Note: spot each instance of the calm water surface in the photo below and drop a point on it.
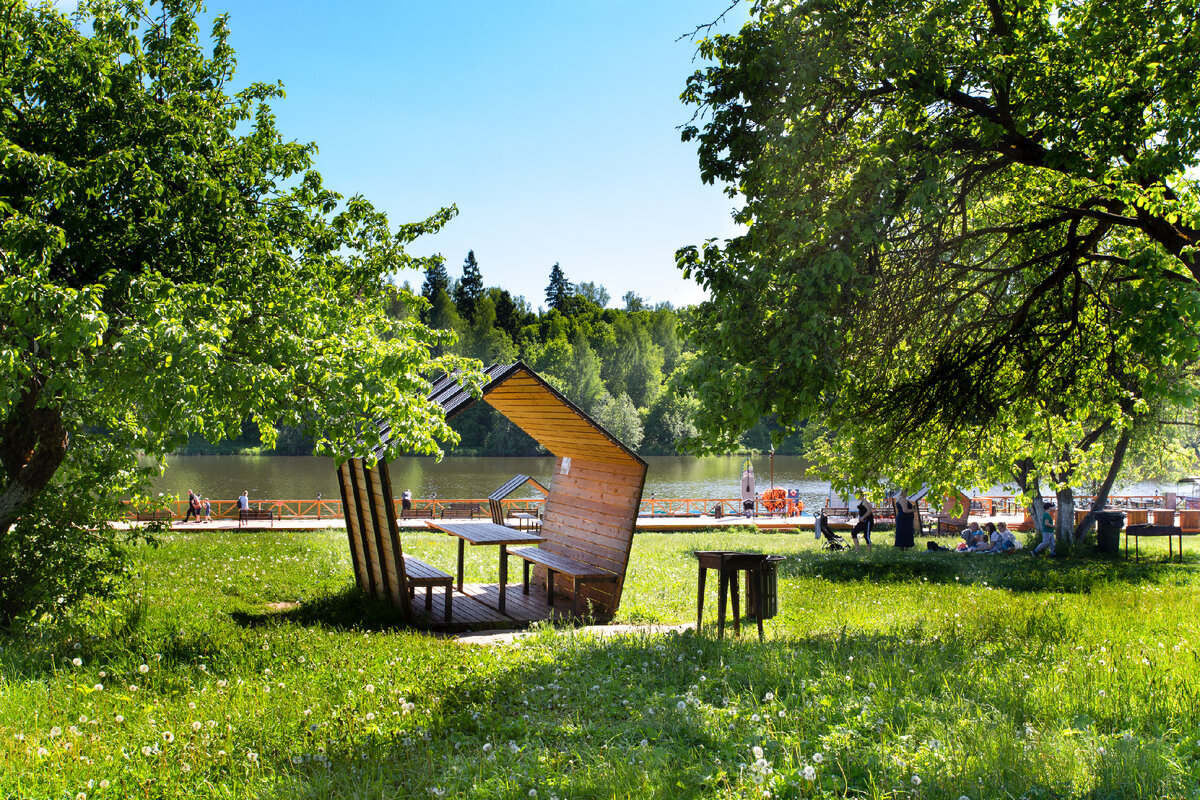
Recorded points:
(303, 477)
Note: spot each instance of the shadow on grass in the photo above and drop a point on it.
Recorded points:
(348, 609)
(1019, 572)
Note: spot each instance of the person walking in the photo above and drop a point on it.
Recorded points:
(207, 510)
(1044, 521)
(193, 507)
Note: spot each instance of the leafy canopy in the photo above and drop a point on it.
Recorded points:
(961, 216)
(170, 264)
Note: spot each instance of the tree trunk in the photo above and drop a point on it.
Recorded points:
(33, 445)
(1064, 523)
(1101, 498)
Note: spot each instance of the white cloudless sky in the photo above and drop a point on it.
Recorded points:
(551, 124)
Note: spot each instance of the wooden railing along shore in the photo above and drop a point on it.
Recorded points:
(322, 508)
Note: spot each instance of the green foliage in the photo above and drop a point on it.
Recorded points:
(969, 252)
(170, 265)
(468, 290)
(437, 280)
(559, 290)
(619, 416)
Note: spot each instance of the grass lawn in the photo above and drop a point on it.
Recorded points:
(885, 675)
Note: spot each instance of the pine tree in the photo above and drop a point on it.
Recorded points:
(436, 279)
(469, 288)
(559, 290)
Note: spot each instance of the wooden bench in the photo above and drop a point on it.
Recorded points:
(1138, 531)
(255, 515)
(161, 515)
(460, 511)
(416, 513)
(580, 573)
(422, 575)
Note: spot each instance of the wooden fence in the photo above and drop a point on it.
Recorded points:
(653, 507)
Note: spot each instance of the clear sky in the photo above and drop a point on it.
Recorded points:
(551, 124)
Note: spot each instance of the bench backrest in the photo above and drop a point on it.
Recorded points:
(590, 515)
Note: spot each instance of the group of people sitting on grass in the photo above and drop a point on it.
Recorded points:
(991, 538)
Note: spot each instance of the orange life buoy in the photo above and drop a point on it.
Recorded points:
(774, 499)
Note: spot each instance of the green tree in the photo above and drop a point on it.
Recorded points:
(619, 416)
(559, 290)
(169, 265)
(959, 216)
(436, 279)
(593, 292)
(469, 288)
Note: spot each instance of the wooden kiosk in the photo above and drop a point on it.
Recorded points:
(586, 532)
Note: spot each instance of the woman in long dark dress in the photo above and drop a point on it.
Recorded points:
(906, 513)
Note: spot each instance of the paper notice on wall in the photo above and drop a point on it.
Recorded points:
(565, 469)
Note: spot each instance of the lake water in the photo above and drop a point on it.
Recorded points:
(303, 477)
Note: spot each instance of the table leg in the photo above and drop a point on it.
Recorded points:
(700, 598)
(722, 593)
(462, 544)
(449, 603)
(737, 611)
(503, 576)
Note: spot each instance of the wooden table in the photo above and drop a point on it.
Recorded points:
(485, 533)
(728, 564)
(1138, 531)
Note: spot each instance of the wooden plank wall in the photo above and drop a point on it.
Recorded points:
(373, 533)
(590, 516)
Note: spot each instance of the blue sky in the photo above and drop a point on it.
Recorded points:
(552, 124)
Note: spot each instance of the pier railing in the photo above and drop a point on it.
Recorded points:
(322, 508)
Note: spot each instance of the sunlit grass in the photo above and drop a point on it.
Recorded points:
(242, 666)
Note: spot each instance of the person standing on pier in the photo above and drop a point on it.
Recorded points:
(244, 501)
(406, 500)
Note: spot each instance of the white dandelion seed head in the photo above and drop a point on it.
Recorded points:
(818, 758)
(144, 668)
(810, 774)
(77, 661)
(916, 780)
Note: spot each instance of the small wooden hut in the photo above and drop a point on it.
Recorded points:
(590, 513)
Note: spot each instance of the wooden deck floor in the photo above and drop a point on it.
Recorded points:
(474, 608)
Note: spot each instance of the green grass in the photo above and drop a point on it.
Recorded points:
(886, 675)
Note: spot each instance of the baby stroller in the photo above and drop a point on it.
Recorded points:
(832, 540)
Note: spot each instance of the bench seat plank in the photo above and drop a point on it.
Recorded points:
(420, 574)
(579, 572)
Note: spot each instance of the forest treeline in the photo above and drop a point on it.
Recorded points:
(620, 365)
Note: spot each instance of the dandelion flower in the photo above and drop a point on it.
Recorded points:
(144, 668)
(252, 756)
(119, 718)
(768, 697)
(681, 705)
(168, 737)
(99, 687)
(810, 774)
(197, 725)
(42, 752)
(370, 688)
(55, 731)
(916, 780)
(77, 661)
(818, 758)
(1127, 736)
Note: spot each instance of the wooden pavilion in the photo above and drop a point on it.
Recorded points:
(586, 529)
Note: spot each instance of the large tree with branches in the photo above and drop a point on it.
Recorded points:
(169, 264)
(955, 208)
